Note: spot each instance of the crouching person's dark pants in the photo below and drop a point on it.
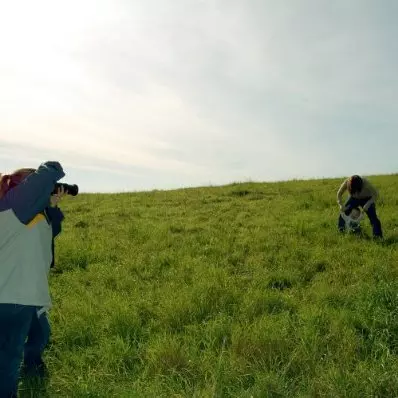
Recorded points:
(371, 213)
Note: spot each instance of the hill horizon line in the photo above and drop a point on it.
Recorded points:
(232, 183)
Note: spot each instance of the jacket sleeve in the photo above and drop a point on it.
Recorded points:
(32, 195)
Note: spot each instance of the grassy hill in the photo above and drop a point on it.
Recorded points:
(245, 290)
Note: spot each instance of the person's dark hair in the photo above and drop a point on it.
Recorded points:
(355, 184)
(9, 181)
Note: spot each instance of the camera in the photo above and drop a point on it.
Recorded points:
(72, 190)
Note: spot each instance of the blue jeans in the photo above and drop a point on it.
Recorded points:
(371, 213)
(22, 334)
(38, 337)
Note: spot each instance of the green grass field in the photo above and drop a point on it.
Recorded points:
(245, 290)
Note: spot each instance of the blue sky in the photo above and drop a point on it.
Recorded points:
(133, 95)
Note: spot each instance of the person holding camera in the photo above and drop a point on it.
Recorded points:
(362, 194)
(29, 220)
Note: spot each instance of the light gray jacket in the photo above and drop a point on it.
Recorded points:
(27, 228)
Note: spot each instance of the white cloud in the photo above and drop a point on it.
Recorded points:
(200, 90)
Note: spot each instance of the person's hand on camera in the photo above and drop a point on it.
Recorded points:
(56, 198)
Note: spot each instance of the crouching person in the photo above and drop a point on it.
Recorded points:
(29, 219)
(361, 194)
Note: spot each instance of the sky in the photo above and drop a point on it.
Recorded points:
(134, 95)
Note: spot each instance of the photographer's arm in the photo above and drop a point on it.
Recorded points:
(32, 195)
(56, 216)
